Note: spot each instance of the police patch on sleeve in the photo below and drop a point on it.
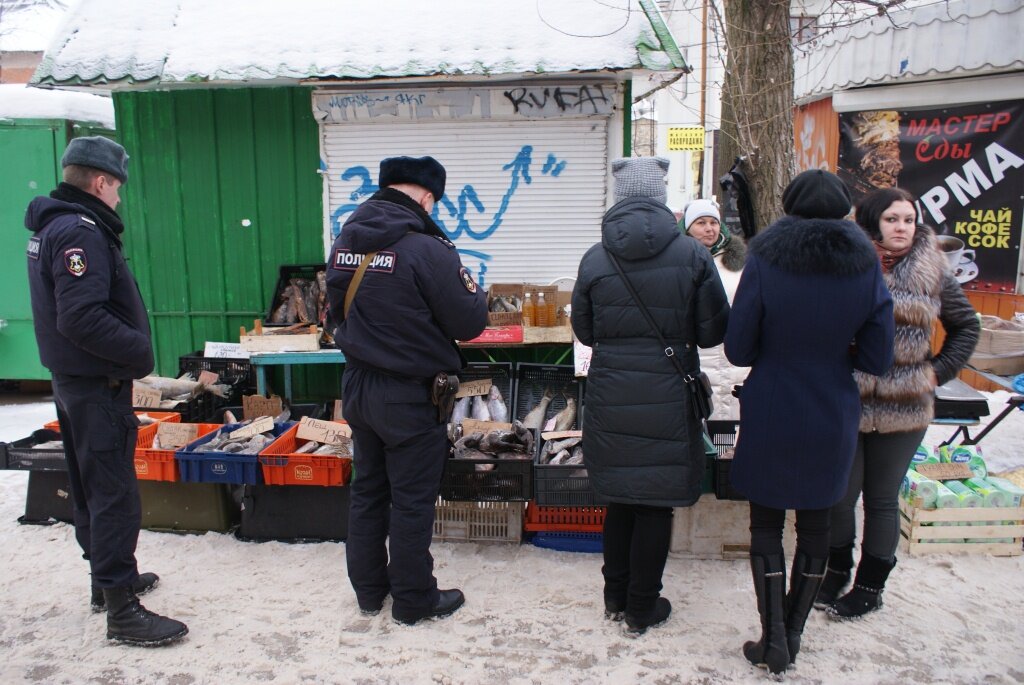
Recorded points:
(467, 280)
(33, 247)
(74, 260)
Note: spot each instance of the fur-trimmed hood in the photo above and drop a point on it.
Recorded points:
(815, 246)
(735, 254)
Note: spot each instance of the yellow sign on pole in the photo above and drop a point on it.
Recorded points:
(686, 138)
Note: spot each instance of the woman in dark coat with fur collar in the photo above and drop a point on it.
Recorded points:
(896, 408)
(642, 443)
(811, 285)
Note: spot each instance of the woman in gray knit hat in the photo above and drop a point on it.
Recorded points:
(642, 443)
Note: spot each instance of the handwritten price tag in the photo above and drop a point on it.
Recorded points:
(175, 435)
(474, 425)
(145, 397)
(471, 388)
(260, 425)
(330, 432)
(945, 471)
(223, 350)
(561, 435)
(255, 406)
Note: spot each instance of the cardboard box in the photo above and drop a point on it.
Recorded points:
(502, 335)
(999, 364)
(504, 318)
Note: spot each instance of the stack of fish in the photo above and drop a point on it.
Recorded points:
(331, 449)
(174, 391)
(223, 442)
(565, 451)
(505, 303)
(489, 407)
(497, 444)
(563, 420)
(303, 300)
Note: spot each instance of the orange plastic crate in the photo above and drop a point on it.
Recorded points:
(157, 464)
(564, 519)
(172, 416)
(281, 466)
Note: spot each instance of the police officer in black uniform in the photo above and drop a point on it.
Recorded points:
(413, 301)
(93, 336)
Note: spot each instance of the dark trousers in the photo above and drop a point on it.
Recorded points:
(99, 430)
(636, 542)
(879, 465)
(399, 454)
(766, 526)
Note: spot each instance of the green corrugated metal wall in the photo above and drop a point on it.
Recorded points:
(203, 162)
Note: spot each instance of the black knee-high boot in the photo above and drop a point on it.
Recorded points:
(804, 582)
(618, 541)
(771, 651)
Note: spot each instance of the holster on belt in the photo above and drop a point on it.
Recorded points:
(442, 394)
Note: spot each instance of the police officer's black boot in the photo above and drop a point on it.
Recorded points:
(131, 623)
(804, 581)
(866, 595)
(143, 584)
(772, 650)
(448, 602)
(837, 575)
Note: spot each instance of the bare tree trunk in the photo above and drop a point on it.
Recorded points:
(757, 106)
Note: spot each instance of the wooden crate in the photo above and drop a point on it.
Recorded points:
(719, 529)
(478, 521)
(918, 526)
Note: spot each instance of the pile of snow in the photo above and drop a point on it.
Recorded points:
(29, 25)
(21, 102)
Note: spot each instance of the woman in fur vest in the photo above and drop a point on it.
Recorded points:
(702, 221)
(811, 285)
(897, 407)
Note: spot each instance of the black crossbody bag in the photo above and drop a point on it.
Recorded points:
(699, 385)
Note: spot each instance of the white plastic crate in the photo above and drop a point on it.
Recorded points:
(478, 521)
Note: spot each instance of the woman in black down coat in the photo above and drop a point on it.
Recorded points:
(642, 444)
(812, 284)
(896, 408)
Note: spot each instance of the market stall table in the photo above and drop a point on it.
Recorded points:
(261, 360)
(1015, 401)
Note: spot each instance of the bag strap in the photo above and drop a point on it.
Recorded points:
(669, 352)
(350, 294)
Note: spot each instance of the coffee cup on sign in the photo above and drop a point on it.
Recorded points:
(953, 248)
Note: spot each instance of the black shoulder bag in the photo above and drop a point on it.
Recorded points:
(699, 385)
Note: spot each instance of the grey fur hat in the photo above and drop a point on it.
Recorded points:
(640, 177)
(99, 153)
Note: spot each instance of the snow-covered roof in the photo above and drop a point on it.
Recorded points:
(940, 40)
(166, 42)
(28, 25)
(18, 101)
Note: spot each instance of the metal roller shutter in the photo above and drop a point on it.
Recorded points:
(523, 200)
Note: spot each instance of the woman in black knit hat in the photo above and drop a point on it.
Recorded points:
(896, 407)
(811, 285)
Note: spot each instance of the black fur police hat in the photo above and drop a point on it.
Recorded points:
(422, 171)
(99, 153)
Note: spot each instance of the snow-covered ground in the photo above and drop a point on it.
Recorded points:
(286, 614)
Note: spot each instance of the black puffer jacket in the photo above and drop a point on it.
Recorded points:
(641, 443)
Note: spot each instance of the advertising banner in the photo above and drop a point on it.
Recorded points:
(966, 167)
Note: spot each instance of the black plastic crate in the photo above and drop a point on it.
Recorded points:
(22, 456)
(187, 507)
(195, 409)
(48, 498)
(294, 513)
(500, 374)
(511, 480)
(230, 370)
(533, 379)
(561, 485)
(286, 272)
(723, 436)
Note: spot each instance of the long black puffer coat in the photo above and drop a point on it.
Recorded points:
(641, 442)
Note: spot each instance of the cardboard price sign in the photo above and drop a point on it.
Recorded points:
(175, 435)
(145, 397)
(208, 377)
(260, 425)
(330, 432)
(471, 388)
(255, 406)
(561, 435)
(223, 350)
(945, 471)
(485, 427)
